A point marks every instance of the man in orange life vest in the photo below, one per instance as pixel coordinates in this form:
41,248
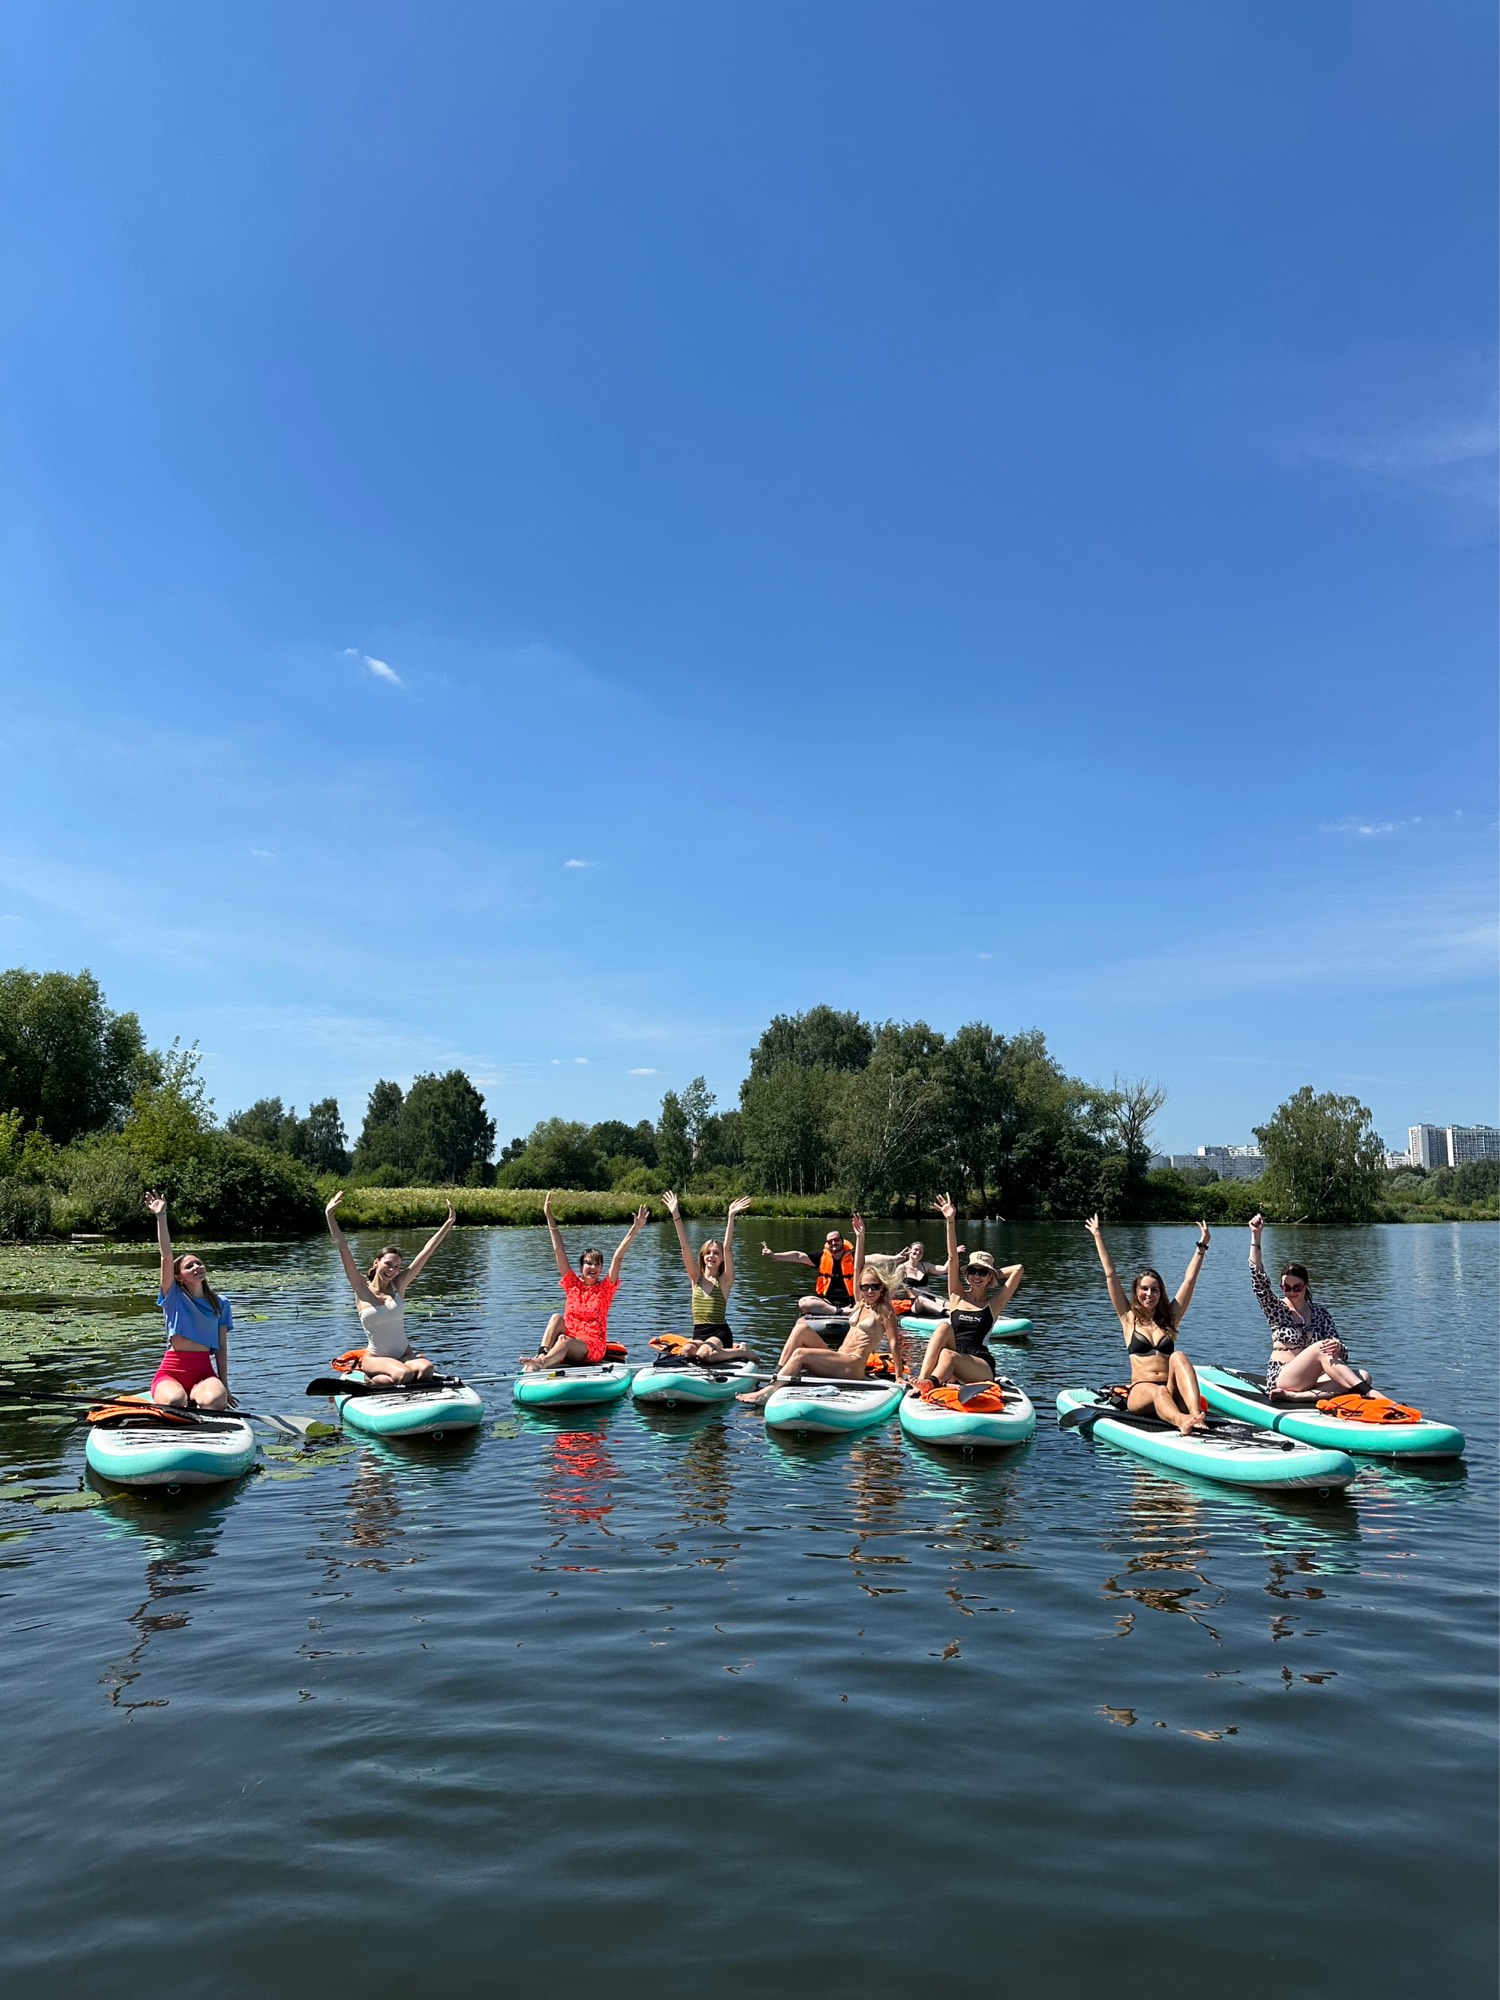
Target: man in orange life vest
833,1291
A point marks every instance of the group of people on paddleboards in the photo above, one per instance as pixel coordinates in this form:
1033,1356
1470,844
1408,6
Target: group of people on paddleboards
860,1296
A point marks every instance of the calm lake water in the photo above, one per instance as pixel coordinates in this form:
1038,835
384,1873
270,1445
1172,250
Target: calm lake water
663,1706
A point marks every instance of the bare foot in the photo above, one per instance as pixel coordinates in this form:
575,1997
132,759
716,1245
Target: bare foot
756,1398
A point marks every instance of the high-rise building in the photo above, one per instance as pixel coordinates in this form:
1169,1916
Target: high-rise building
1429,1146
1467,1143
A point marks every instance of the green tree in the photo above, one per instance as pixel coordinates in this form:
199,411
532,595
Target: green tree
560,1153
67,1063
1324,1161
785,1135
320,1141
445,1132
170,1117
612,1138
822,1038
674,1144
887,1127
266,1123
381,1141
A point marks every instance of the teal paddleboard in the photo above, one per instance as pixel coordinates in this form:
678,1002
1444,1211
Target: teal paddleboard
691,1385
171,1455
831,1408
1003,1329
412,1413
1238,1396
602,1382
970,1430
1226,1453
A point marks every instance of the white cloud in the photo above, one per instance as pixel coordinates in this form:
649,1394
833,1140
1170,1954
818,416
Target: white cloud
986,954
578,864
262,854
1368,828
561,1062
381,669
643,1072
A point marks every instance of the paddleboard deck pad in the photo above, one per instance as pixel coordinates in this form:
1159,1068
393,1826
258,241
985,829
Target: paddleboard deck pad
411,1413
677,1385
828,1407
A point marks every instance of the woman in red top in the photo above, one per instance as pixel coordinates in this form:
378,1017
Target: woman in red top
577,1334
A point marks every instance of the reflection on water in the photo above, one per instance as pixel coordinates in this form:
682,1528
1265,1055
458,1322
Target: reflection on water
577,1484
180,1538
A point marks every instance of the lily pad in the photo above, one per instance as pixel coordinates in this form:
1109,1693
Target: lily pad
322,1430
304,1472
68,1503
505,1430
17,1490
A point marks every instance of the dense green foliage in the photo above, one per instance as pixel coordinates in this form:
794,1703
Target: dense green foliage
1324,1160
68,1065
436,1132
318,1140
1447,1194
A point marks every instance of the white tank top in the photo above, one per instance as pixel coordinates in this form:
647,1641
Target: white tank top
385,1327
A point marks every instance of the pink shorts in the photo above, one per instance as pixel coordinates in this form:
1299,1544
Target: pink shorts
188,1369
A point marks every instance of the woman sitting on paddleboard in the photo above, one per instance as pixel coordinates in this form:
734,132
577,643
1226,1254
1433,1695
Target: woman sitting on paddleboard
195,1367
380,1295
579,1333
977,1294
1161,1378
872,1324
711,1275
1307,1356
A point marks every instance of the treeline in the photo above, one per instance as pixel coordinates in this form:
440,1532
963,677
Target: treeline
834,1109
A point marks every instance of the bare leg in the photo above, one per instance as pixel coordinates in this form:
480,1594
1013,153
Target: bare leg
558,1348
805,1348
171,1395
1184,1381
1157,1397
955,1367
940,1343
815,1306
1308,1370
209,1394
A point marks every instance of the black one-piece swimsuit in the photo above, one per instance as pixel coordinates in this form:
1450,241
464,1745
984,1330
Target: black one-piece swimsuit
970,1324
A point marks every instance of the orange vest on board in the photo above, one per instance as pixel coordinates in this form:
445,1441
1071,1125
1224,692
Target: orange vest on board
825,1270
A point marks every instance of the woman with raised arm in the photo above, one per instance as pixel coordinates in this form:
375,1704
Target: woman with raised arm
711,1275
195,1367
1161,1379
872,1324
1307,1357
978,1293
579,1334
380,1295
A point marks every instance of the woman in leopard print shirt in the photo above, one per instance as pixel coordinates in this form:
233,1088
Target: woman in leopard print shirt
1306,1352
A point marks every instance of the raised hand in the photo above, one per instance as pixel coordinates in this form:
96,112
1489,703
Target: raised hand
452,1212
741,1203
671,1201
547,1207
332,1205
765,1248
1205,1235
157,1203
945,1208
643,1215
1257,1224
1094,1227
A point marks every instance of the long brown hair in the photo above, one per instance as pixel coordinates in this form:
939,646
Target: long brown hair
1165,1315
712,1243
208,1291
1297,1271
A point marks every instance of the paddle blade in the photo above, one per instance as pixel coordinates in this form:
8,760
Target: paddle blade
1080,1420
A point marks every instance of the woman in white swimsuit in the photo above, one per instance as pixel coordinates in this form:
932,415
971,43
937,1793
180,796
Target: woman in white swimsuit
380,1294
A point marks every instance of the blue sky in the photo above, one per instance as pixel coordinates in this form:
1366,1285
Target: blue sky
537,536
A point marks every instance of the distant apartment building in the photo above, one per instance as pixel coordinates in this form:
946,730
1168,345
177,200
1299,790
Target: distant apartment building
1230,1163
1428,1146
1395,1161
1467,1143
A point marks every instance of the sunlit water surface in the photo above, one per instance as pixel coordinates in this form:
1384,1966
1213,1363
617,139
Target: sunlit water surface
662,1705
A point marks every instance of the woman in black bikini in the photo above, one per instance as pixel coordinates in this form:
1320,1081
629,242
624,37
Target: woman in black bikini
957,1350
1161,1379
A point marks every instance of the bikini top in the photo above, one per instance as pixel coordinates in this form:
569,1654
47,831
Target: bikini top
1140,1343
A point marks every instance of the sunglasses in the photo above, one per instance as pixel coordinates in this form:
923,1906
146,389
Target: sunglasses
872,1288
1293,1285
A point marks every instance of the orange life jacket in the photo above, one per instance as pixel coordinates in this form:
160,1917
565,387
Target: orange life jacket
345,1364
120,1409
825,1270
1370,1409
881,1364
990,1400
668,1343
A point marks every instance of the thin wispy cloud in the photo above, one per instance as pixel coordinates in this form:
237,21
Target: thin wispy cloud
1367,829
1453,456
578,864
643,1072
561,1062
381,669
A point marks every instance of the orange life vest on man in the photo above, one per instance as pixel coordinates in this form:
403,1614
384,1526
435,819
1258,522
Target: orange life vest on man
824,1281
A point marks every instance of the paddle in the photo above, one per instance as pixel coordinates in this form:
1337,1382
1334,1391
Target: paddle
340,1385
167,1413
